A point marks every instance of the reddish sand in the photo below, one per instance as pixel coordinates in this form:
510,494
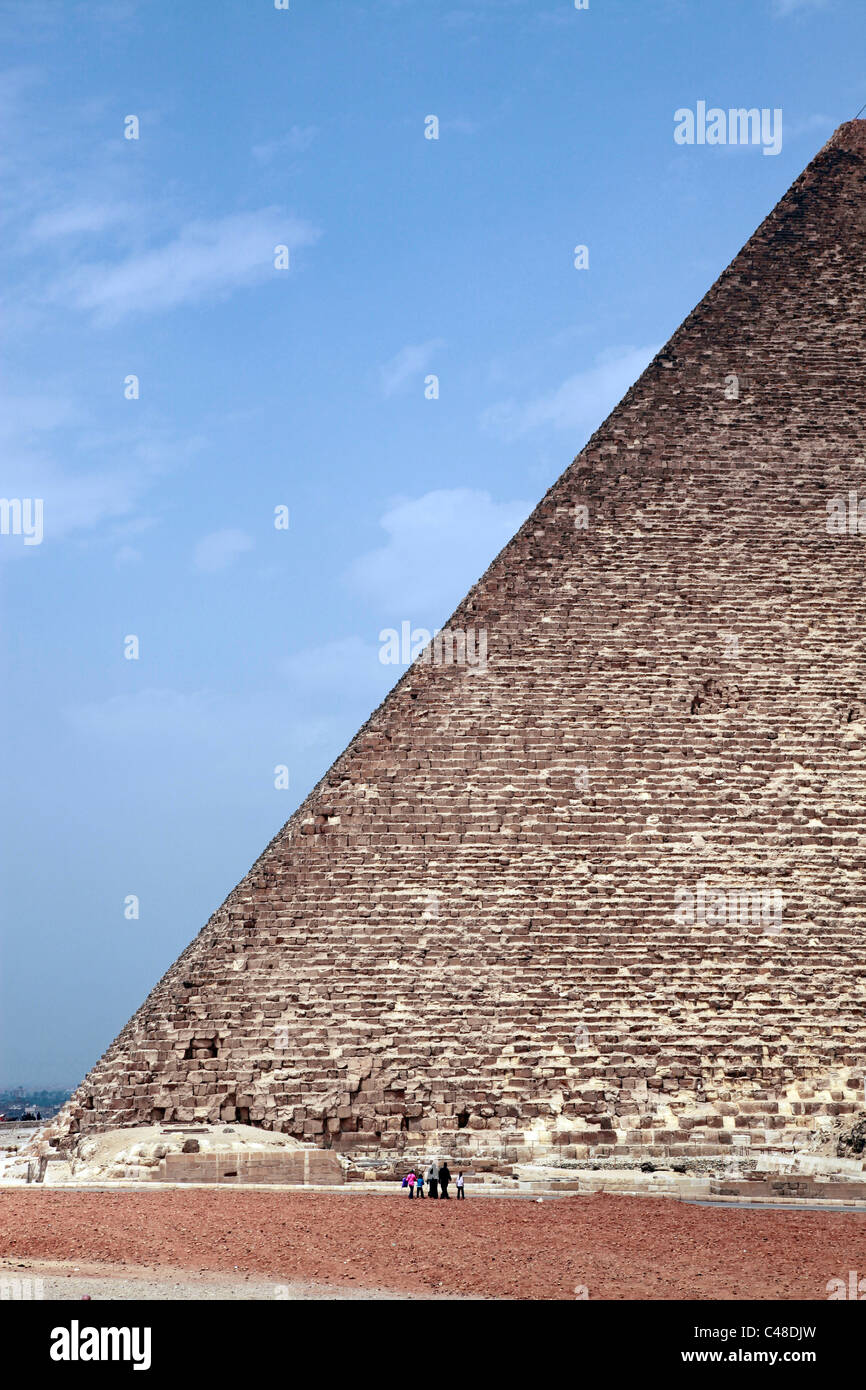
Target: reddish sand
616,1247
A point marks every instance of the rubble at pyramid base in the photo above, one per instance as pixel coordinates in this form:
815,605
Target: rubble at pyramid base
238,1155
603,1110
822,1161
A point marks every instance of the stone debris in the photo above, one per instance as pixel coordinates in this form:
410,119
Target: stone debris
153,1153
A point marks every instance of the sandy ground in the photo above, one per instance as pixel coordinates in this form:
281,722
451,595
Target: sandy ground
611,1247
53,1279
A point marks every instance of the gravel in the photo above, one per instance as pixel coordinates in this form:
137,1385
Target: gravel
610,1246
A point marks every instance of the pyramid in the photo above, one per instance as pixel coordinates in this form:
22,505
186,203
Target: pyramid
600,893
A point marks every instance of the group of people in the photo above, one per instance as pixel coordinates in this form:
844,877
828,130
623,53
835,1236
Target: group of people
438,1179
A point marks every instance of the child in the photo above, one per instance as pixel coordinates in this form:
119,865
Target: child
410,1183
460,1193
419,1184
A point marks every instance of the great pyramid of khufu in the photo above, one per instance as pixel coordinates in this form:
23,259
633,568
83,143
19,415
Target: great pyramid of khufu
602,891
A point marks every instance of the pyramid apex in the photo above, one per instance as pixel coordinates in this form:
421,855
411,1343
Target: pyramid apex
850,135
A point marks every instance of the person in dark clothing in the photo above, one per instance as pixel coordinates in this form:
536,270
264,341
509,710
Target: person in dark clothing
444,1178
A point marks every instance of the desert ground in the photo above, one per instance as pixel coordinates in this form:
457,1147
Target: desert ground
239,1243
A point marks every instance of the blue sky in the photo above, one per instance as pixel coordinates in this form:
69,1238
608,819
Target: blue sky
305,388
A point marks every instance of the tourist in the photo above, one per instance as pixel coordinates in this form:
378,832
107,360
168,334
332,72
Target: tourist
460,1192
433,1179
410,1183
444,1177
419,1185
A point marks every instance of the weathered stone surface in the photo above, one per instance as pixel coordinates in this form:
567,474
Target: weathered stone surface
480,943
295,1166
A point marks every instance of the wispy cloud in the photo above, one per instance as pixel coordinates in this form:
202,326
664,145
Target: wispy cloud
81,219
127,555
159,714
478,12
409,362
809,125
32,19
89,479
579,404
205,260
220,549
17,85
327,671
437,546
124,253
295,141
782,9
248,731
459,125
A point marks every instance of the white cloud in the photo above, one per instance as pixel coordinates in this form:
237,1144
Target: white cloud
76,501
84,500
437,546
580,404
81,219
410,361
295,141
205,260
27,415
102,477
220,549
